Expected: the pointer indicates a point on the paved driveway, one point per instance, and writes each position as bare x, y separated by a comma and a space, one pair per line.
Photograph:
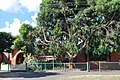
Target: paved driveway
47, 75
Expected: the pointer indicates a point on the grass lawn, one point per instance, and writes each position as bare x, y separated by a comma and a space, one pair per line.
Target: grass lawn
92, 77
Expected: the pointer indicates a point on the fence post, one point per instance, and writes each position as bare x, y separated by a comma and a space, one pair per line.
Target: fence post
64, 66
8, 67
53, 66
26, 66
45, 66
41, 66
99, 66
88, 67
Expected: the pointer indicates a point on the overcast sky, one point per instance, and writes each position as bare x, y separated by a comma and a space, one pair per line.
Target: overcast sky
15, 12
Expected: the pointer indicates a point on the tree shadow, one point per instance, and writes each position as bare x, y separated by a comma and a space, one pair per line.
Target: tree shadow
26, 74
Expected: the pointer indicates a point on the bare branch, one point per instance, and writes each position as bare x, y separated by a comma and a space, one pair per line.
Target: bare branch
43, 42
68, 54
74, 55
64, 32
87, 40
108, 23
45, 36
65, 50
84, 45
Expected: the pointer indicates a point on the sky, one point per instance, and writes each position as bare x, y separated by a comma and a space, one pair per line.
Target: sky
13, 13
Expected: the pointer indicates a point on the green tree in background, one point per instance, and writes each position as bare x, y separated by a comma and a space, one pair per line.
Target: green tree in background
6, 41
25, 41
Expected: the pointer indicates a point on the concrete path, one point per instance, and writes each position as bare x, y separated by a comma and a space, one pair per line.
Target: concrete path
48, 75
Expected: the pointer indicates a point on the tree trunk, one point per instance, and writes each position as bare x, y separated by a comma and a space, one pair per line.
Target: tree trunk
70, 63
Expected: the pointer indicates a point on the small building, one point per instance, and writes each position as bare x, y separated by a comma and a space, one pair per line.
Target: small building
14, 57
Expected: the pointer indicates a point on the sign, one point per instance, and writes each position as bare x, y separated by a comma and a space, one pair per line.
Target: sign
46, 58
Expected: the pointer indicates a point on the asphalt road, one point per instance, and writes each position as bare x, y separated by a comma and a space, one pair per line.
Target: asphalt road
48, 75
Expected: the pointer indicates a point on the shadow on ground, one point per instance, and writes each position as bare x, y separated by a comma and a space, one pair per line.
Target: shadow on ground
26, 74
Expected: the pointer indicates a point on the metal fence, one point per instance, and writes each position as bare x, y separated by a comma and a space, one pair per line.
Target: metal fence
109, 66
84, 66
58, 66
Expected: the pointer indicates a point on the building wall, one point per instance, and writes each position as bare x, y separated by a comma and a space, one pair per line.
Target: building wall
115, 57
80, 58
14, 52
0, 57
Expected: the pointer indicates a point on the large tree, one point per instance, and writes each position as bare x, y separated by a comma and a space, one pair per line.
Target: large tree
74, 26
6, 41
57, 29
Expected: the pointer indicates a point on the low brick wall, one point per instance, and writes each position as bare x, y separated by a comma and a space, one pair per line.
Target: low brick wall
115, 57
94, 64
110, 66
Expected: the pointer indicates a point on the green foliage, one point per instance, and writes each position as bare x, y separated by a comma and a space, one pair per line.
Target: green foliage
25, 31
25, 40
57, 17
6, 41
94, 24
103, 19
18, 43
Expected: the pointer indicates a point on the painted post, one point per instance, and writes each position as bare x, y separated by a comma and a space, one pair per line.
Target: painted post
64, 66
99, 66
88, 67
45, 66
53, 65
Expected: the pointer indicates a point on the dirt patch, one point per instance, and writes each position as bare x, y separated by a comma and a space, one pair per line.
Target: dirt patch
92, 77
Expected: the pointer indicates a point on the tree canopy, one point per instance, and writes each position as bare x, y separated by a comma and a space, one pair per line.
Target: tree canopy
25, 41
6, 41
78, 26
